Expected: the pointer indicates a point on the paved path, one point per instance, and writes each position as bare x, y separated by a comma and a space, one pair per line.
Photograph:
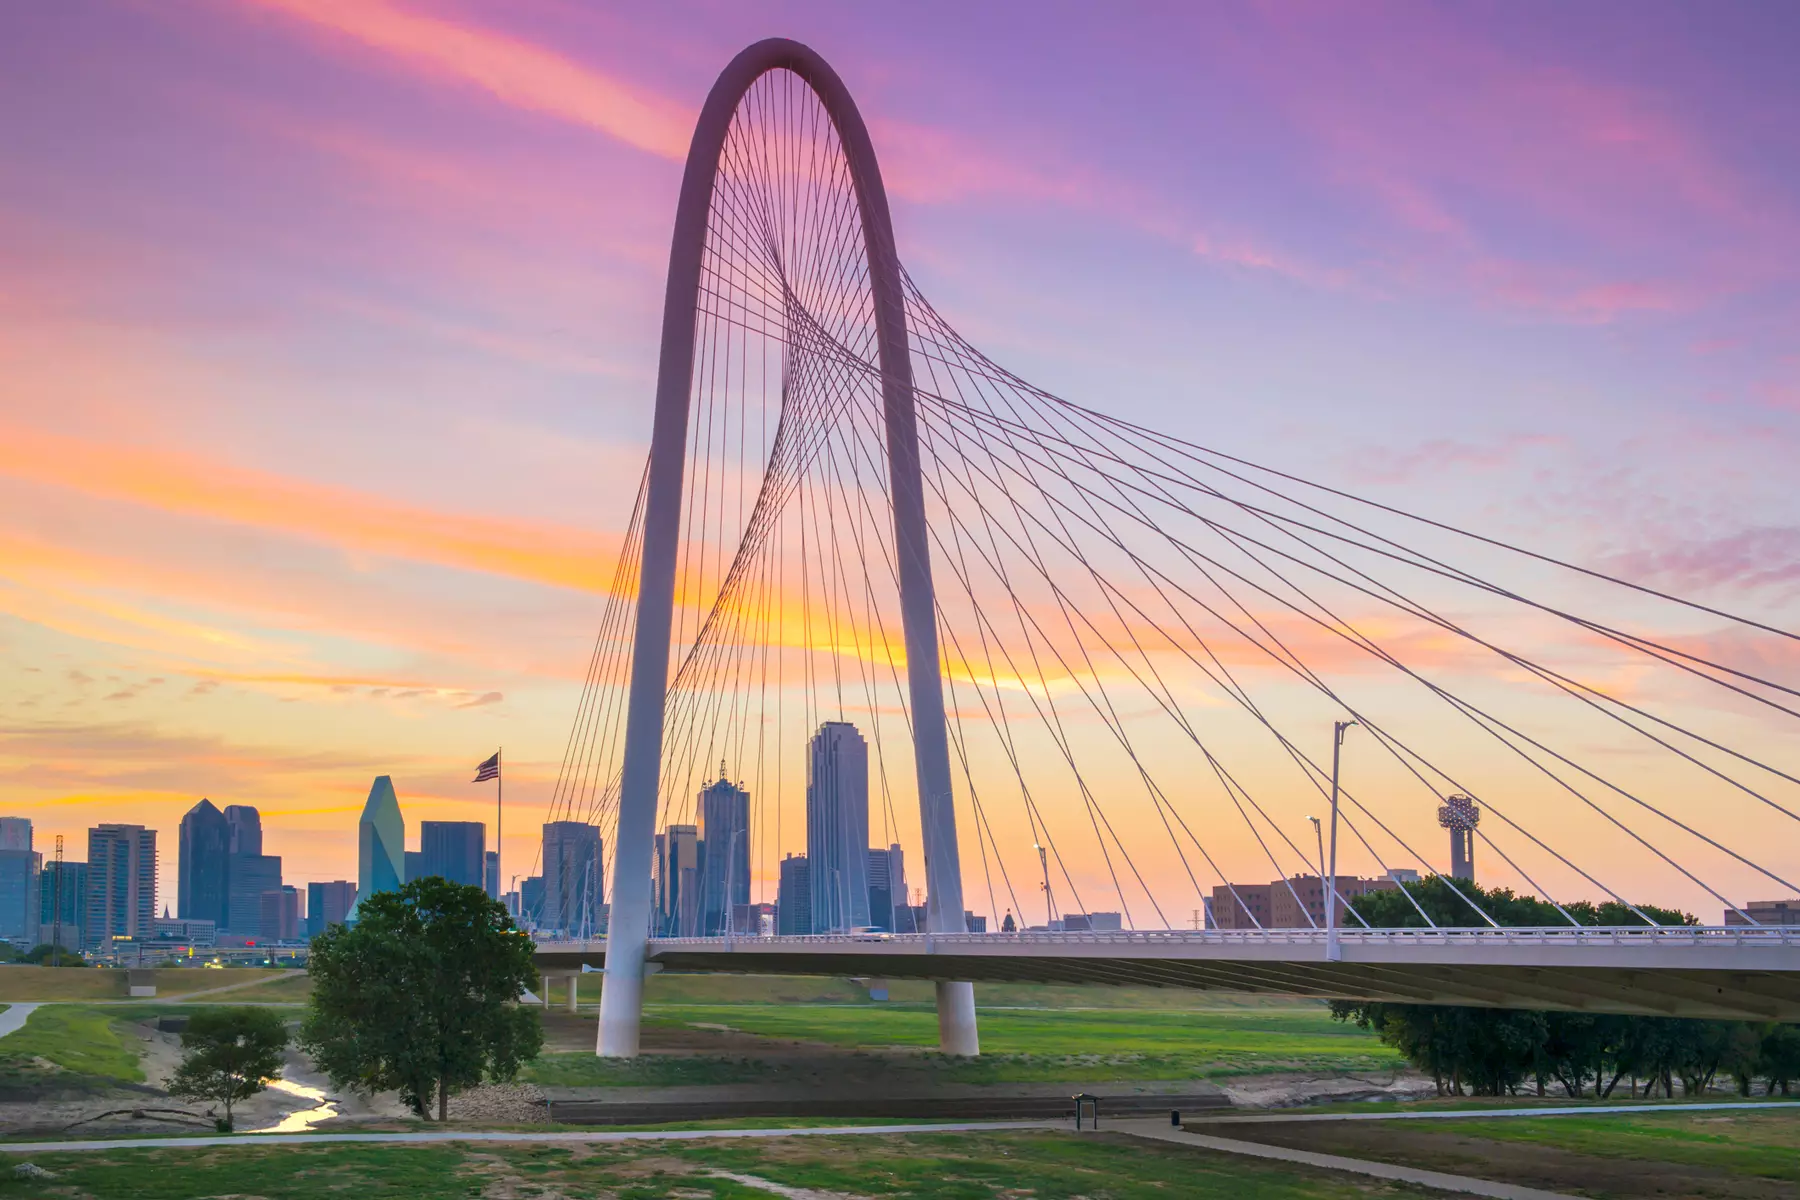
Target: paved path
14, 1018
1482, 1114
1466, 1185
428, 1136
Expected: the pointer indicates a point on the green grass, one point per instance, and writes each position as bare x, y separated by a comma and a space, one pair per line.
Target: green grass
951, 1166
82, 1041
1742, 1141
101, 983
1018, 1045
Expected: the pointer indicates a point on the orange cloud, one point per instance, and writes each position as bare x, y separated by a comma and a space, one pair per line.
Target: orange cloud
515, 72
561, 556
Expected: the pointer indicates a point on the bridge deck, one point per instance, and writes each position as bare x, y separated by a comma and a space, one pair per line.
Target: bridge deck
1743, 973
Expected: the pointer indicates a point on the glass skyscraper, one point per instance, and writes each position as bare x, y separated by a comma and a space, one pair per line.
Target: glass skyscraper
837, 827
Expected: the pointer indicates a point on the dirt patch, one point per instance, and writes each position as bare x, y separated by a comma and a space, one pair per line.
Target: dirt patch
1288, 1089
1525, 1163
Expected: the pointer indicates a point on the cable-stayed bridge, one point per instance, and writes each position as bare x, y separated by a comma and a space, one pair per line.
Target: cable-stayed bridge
1115, 669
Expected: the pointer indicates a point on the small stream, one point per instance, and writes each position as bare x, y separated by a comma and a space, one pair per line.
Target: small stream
323, 1108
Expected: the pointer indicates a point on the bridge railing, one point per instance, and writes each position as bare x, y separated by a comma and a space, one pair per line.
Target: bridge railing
1611, 935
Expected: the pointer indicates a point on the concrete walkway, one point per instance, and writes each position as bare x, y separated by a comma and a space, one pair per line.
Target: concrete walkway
1483, 1114
1466, 1185
425, 1137
15, 1016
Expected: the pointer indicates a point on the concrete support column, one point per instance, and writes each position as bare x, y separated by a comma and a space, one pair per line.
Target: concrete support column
957, 1033
574, 980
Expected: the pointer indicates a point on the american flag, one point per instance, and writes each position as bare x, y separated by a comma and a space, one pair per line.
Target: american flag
488, 770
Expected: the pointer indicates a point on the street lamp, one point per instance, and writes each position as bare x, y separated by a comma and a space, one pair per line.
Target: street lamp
1333, 951
1049, 902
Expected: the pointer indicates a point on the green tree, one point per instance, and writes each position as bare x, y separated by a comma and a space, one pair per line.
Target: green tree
46, 954
420, 995
229, 1054
1779, 1060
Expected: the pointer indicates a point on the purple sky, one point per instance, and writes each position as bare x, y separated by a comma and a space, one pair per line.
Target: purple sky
327, 330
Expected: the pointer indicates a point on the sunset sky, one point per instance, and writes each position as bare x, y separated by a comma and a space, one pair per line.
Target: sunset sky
328, 328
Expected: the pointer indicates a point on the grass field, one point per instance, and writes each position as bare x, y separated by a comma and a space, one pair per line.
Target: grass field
951, 1166
97, 983
1017, 1044
83, 1041
1721, 1155
1741, 1141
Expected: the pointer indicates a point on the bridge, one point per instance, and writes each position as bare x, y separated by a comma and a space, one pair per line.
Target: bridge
867, 563
1729, 973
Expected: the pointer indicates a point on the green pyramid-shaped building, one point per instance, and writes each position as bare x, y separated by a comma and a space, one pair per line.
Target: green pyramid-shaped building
380, 843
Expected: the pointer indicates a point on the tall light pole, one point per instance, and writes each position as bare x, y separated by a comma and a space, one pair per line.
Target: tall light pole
1049, 902
1333, 950
1319, 837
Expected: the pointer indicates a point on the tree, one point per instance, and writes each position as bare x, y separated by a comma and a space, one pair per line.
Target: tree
229, 1054
420, 995
47, 954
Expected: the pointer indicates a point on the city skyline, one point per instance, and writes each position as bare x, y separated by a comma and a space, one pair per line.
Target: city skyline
1570, 335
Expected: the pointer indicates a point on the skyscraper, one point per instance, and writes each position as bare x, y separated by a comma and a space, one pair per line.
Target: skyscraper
453, 850
725, 867
203, 868
18, 882
793, 898
279, 915
328, 904
63, 886
574, 886
15, 833
244, 824
837, 827
490, 873
380, 842
251, 876
531, 901
881, 893
675, 881
121, 892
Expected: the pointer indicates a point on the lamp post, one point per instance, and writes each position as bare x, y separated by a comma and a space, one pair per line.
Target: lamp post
1049, 902
1319, 837
1334, 951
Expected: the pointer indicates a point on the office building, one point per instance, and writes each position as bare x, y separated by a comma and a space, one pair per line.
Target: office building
328, 904
63, 889
414, 865
453, 850
251, 876
837, 827
1098, 922
574, 886
725, 860
19, 865
531, 901
380, 843
280, 915
793, 897
1766, 912
186, 931
15, 833
121, 883
675, 881
1242, 906
490, 873
204, 866
243, 825
881, 889
973, 923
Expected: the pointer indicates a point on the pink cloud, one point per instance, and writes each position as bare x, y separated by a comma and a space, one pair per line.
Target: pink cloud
515, 72
1382, 464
